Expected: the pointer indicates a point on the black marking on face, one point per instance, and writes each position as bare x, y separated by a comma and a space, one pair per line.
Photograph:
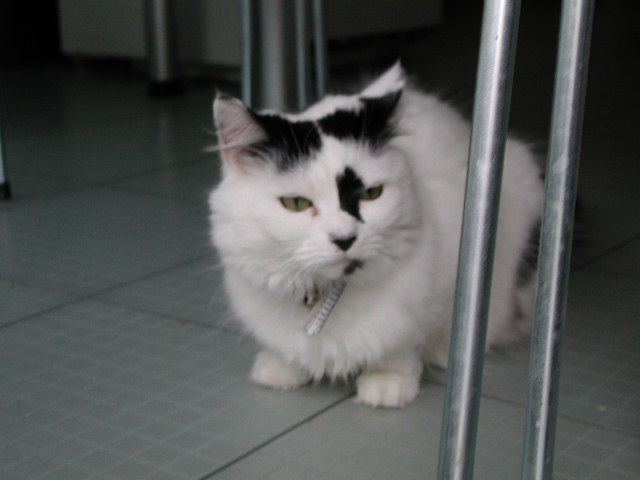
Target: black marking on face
350, 187
353, 266
289, 142
371, 124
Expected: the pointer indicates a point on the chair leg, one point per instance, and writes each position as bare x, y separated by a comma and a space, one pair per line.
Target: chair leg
5, 187
249, 54
556, 237
320, 49
164, 79
477, 245
276, 58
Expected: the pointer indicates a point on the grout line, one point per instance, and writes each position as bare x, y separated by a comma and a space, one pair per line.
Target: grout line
114, 188
94, 295
195, 323
565, 416
599, 426
17, 321
158, 196
157, 169
276, 437
607, 252
17, 203
79, 186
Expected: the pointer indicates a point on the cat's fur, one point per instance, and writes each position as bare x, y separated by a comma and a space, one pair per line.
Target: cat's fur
396, 311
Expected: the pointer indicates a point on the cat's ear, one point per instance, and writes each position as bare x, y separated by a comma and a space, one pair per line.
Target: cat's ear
393, 80
237, 129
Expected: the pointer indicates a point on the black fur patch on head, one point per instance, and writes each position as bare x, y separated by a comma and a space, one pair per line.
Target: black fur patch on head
350, 187
293, 142
371, 124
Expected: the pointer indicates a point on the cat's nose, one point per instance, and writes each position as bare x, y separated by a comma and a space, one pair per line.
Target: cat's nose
344, 244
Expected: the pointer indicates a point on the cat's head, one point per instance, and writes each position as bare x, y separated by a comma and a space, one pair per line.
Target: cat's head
308, 198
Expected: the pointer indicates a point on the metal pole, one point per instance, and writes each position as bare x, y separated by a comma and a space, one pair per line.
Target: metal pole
471, 305
161, 48
5, 187
249, 48
276, 71
302, 54
556, 237
276, 85
320, 49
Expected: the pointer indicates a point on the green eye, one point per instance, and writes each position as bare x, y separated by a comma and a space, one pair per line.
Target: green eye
296, 204
371, 193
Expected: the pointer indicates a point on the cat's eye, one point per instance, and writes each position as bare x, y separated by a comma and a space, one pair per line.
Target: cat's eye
371, 193
296, 204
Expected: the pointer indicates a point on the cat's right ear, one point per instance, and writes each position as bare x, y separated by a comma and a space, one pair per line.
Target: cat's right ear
393, 80
238, 131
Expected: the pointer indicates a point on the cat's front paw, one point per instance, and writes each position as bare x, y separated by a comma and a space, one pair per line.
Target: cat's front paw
273, 371
386, 389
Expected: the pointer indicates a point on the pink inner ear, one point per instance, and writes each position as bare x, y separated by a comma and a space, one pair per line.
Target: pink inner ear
236, 127
238, 134
242, 158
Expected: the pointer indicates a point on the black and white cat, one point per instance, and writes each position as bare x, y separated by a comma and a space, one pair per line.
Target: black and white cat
356, 204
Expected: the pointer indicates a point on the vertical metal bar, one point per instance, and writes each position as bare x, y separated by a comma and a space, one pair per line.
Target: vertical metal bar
556, 237
490, 118
302, 54
320, 49
5, 188
276, 69
161, 48
249, 39
276, 78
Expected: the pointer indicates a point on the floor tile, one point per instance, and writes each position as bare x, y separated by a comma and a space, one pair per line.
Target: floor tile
98, 239
599, 350
26, 187
90, 424
406, 442
109, 118
19, 301
192, 293
189, 182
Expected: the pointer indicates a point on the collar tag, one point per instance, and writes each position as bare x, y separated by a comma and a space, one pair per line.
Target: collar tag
321, 311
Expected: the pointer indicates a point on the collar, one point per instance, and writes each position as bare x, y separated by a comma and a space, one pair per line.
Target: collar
322, 307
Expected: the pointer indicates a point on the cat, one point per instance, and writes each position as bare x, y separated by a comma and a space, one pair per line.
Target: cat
355, 204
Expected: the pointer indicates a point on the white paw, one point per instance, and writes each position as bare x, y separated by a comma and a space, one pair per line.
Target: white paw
386, 389
271, 370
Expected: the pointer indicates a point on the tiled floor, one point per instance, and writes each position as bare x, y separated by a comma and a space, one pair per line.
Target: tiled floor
119, 360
